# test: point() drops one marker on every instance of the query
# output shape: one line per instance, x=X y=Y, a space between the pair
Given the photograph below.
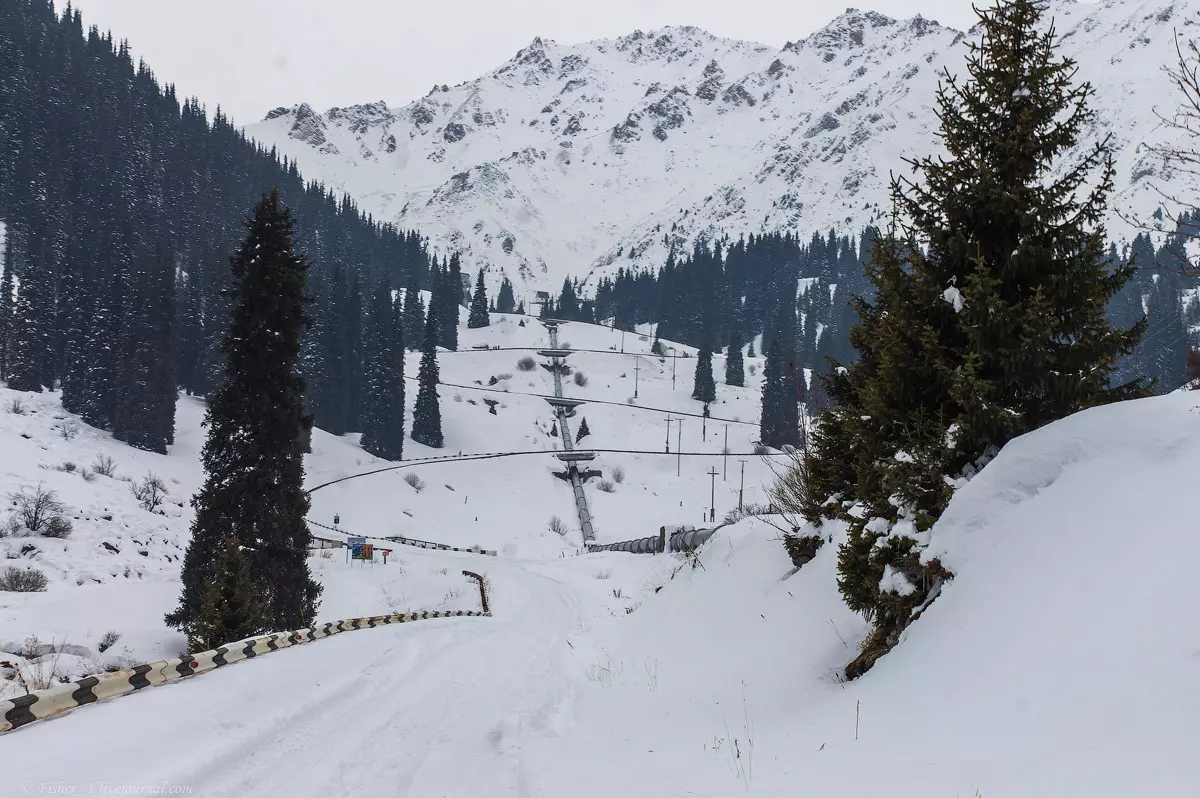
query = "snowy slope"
x=119 y=568
x=573 y=160
x=1061 y=661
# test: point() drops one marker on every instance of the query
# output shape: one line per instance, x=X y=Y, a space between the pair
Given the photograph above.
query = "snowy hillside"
x=574 y=159
x=1060 y=661
x=119 y=567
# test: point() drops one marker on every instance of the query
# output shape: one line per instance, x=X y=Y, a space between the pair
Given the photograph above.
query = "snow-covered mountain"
x=571 y=160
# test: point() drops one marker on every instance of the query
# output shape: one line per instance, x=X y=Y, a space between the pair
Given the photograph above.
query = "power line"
x=589 y=401
x=466 y=458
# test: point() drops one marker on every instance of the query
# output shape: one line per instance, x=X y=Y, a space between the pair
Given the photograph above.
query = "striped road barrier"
x=26 y=709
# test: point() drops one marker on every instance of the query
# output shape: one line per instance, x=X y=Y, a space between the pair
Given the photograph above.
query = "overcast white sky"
x=249 y=56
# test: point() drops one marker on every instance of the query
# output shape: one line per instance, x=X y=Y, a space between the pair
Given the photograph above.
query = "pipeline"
x=681 y=540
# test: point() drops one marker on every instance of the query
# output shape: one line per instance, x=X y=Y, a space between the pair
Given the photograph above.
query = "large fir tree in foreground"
x=988 y=321
x=253 y=460
x=427 y=414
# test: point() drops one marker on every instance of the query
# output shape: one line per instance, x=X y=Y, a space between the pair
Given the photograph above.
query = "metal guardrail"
x=404 y=541
x=49 y=703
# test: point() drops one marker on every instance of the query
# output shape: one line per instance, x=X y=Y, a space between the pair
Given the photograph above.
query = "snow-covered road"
x=441 y=707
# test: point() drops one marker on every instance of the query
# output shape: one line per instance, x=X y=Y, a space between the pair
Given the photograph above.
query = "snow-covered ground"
x=1061 y=661
x=118 y=571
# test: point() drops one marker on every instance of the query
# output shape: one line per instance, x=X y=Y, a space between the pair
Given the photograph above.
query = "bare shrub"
x=618 y=593
x=11 y=526
x=603 y=573
x=68 y=468
x=747 y=510
x=753 y=369
x=789 y=494
x=618 y=475
x=108 y=640
x=16 y=407
x=68 y=429
x=23 y=580
x=557 y=526
x=526 y=363
x=150 y=492
x=501 y=377
x=35 y=508
x=88 y=475
x=606 y=486
x=414 y=482
x=56 y=527
x=581 y=379
x=105 y=466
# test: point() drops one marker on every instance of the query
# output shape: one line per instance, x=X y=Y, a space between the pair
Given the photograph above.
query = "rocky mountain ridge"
x=574 y=160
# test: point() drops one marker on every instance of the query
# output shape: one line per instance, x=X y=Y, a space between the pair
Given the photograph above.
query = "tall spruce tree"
x=427 y=414
x=778 y=426
x=989 y=315
x=383 y=414
x=505 y=301
x=253 y=458
x=144 y=402
x=735 y=370
x=6 y=303
x=414 y=313
x=451 y=298
x=478 y=316
x=704 y=387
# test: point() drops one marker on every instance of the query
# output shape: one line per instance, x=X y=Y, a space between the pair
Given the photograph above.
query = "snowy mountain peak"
x=574 y=160
x=850 y=29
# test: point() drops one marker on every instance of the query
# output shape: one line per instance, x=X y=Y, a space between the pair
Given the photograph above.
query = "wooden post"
x=482 y=592
x=662 y=539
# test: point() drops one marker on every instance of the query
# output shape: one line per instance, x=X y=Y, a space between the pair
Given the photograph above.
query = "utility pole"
x=679 y=447
x=674 y=355
x=725 y=453
x=637 y=368
x=622 y=339
x=712 y=499
x=668 y=433
x=704 y=425
x=741 y=485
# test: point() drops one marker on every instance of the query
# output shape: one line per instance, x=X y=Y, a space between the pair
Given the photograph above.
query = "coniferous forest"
x=122 y=204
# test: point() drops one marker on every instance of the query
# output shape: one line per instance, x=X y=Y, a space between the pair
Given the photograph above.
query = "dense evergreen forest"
x=122 y=205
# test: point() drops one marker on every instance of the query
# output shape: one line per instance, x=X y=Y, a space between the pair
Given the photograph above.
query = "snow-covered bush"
x=526 y=363
x=557 y=526
x=581 y=379
x=105 y=466
x=35 y=508
x=23 y=580
x=68 y=429
x=56 y=527
x=108 y=640
x=618 y=475
x=16 y=407
x=606 y=486
x=414 y=481
x=150 y=492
